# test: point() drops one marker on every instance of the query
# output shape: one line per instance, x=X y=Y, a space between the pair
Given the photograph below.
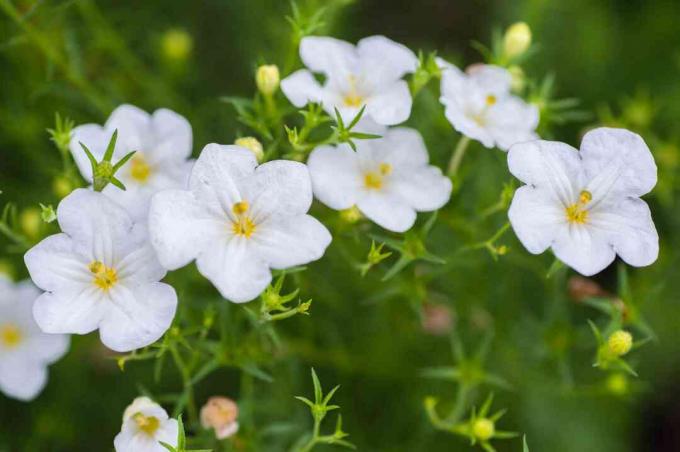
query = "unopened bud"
x=620 y=343
x=267 y=79
x=253 y=145
x=61 y=186
x=581 y=288
x=176 y=44
x=351 y=215
x=517 y=40
x=220 y=414
x=437 y=319
x=483 y=429
x=617 y=384
x=31 y=222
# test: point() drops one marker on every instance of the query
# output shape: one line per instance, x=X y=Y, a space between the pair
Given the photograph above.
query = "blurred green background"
x=621 y=58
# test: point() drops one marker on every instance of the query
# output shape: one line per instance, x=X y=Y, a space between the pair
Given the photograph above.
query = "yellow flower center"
x=104 y=277
x=491 y=100
x=578 y=213
x=352 y=97
x=147 y=424
x=10 y=335
x=374 y=179
x=139 y=169
x=243 y=225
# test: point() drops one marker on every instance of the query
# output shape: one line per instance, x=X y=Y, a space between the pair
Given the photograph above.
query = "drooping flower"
x=100 y=273
x=25 y=351
x=238 y=220
x=163 y=141
x=220 y=414
x=145 y=424
x=479 y=104
x=369 y=74
x=586 y=204
x=388 y=179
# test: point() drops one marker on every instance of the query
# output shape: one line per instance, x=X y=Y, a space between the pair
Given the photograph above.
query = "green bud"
x=267 y=79
x=483 y=429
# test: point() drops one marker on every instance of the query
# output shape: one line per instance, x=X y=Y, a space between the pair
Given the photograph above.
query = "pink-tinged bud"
x=437 y=319
x=220 y=414
x=581 y=288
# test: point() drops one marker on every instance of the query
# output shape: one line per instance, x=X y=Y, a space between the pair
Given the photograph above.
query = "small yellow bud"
x=517 y=40
x=267 y=79
x=252 y=144
x=483 y=429
x=31 y=222
x=6 y=269
x=620 y=343
x=617 y=384
x=176 y=44
x=351 y=215
x=61 y=186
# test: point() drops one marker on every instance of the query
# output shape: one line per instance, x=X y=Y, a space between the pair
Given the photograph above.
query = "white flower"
x=145 y=424
x=25 y=351
x=100 y=273
x=585 y=205
x=369 y=74
x=388 y=178
x=238 y=220
x=163 y=142
x=480 y=106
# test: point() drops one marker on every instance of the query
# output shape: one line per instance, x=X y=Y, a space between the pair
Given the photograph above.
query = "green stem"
x=457 y=156
x=186 y=380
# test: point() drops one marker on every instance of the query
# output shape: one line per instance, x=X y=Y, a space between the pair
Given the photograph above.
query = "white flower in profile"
x=388 y=179
x=145 y=425
x=586 y=204
x=369 y=74
x=479 y=105
x=100 y=273
x=25 y=351
x=238 y=220
x=162 y=141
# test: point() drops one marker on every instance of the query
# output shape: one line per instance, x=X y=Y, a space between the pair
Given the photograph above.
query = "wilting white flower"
x=25 y=351
x=480 y=106
x=100 y=273
x=238 y=220
x=388 y=179
x=163 y=141
x=585 y=205
x=145 y=424
x=369 y=74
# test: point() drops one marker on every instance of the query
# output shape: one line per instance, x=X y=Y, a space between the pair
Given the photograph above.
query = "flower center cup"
x=147 y=424
x=352 y=97
x=104 y=277
x=577 y=213
x=243 y=225
x=10 y=335
x=140 y=170
x=373 y=180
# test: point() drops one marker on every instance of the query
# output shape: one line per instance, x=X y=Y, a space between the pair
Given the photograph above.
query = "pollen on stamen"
x=104 y=277
x=491 y=100
x=140 y=170
x=243 y=225
x=10 y=335
x=240 y=207
x=353 y=100
x=147 y=424
x=385 y=169
x=585 y=197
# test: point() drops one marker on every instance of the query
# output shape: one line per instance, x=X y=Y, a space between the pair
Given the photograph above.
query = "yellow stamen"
x=374 y=179
x=385 y=169
x=577 y=212
x=10 y=335
x=352 y=98
x=243 y=225
x=104 y=277
x=140 y=170
x=147 y=424
x=491 y=100
x=240 y=207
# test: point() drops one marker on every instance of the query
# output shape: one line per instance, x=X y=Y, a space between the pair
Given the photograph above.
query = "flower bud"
x=517 y=40
x=176 y=44
x=31 y=222
x=351 y=215
x=483 y=429
x=581 y=288
x=253 y=145
x=220 y=414
x=61 y=186
x=437 y=319
x=620 y=343
x=617 y=384
x=267 y=79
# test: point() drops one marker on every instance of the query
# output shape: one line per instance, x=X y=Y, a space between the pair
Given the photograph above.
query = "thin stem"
x=186 y=380
x=457 y=156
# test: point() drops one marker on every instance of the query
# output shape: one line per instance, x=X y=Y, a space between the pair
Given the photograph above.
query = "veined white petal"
x=54 y=264
x=512 y=121
x=75 y=310
x=387 y=210
x=424 y=188
x=301 y=87
x=133 y=125
x=585 y=249
x=400 y=147
x=336 y=176
x=384 y=59
x=328 y=55
x=536 y=218
x=172 y=137
x=391 y=104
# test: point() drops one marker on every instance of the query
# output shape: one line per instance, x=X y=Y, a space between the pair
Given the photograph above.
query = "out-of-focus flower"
x=220 y=414
x=388 y=179
x=267 y=79
x=163 y=141
x=517 y=40
x=145 y=424
x=31 y=222
x=252 y=144
x=369 y=74
x=581 y=288
x=176 y=44
x=25 y=351
x=586 y=205
x=437 y=319
x=479 y=105
x=238 y=220
x=100 y=273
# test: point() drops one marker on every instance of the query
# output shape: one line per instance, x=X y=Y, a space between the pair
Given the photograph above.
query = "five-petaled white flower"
x=388 y=178
x=479 y=105
x=100 y=272
x=145 y=425
x=585 y=205
x=369 y=74
x=162 y=141
x=25 y=351
x=238 y=220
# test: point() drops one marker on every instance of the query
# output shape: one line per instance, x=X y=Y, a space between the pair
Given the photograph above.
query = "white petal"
x=328 y=55
x=385 y=60
x=235 y=269
x=490 y=79
x=172 y=135
x=548 y=165
x=583 y=248
x=53 y=263
x=620 y=159
x=630 y=230
x=133 y=125
x=300 y=87
x=425 y=189
x=77 y=310
x=21 y=378
x=141 y=265
x=95 y=138
x=387 y=210
x=138 y=316
x=455 y=113
x=512 y=121
x=391 y=104
x=289 y=241
x=535 y=218
x=399 y=146
x=336 y=177
x=48 y=348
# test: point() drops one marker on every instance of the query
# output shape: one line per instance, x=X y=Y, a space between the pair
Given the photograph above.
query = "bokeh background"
x=620 y=58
